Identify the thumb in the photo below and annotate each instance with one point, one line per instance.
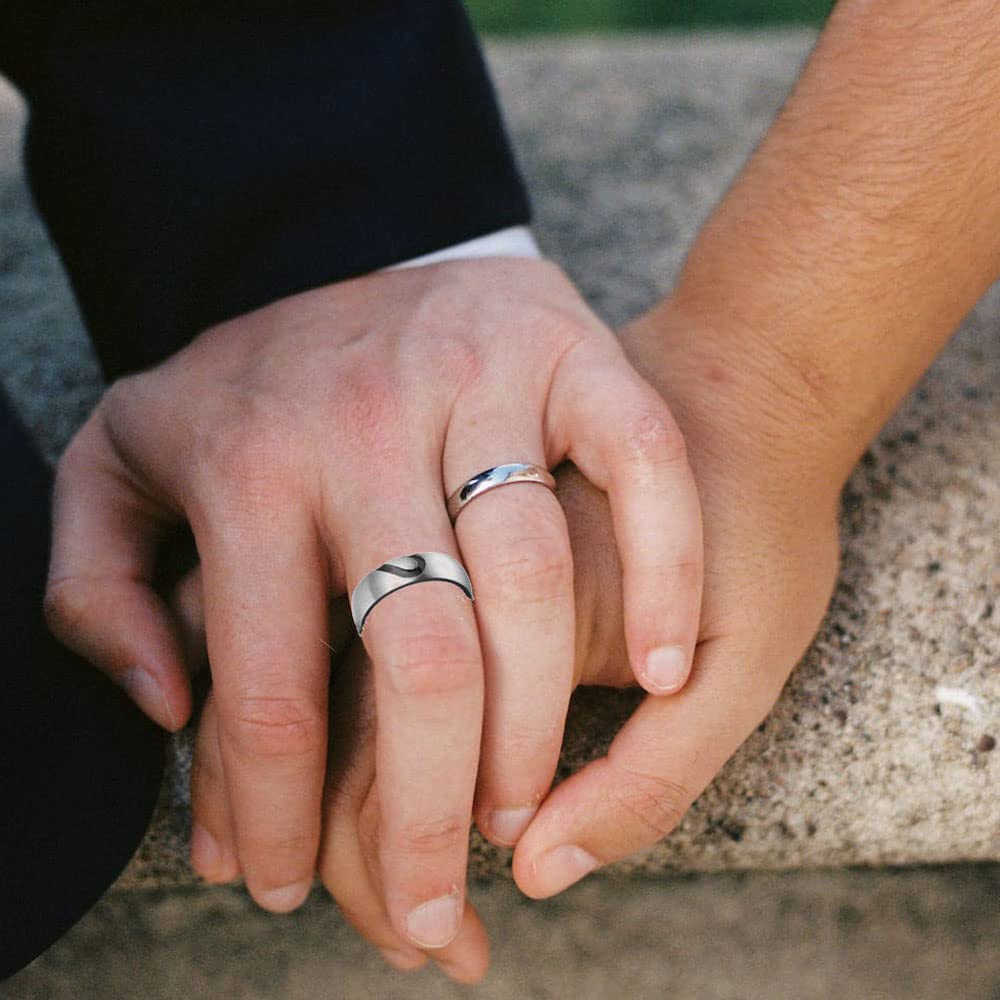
(657, 765)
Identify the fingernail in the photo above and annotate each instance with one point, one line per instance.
(145, 690)
(507, 825)
(205, 853)
(214, 861)
(404, 961)
(286, 898)
(435, 924)
(666, 668)
(561, 867)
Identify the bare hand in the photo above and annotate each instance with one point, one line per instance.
(313, 440)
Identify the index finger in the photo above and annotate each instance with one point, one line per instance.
(100, 598)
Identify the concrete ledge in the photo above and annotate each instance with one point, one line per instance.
(881, 750)
(910, 934)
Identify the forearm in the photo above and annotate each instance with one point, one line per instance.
(860, 232)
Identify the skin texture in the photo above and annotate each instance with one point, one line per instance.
(673, 745)
(297, 479)
(862, 230)
(841, 260)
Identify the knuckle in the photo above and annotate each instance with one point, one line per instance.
(118, 398)
(652, 437)
(87, 452)
(370, 407)
(279, 727)
(434, 837)
(562, 328)
(433, 662)
(68, 605)
(245, 457)
(461, 357)
(534, 564)
(656, 804)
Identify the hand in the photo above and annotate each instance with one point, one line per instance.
(771, 550)
(771, 547)
(314, 439)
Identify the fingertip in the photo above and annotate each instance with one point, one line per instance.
(437, 922)
(468, 974)
(404, 960)
(148, 693)
(665, 669)
(552, 870)
(179, 699)
(212, 859)
(468, 960)
(504, 827)
(283, 899)
(523, 871)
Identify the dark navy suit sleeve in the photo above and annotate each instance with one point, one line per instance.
(194, 161)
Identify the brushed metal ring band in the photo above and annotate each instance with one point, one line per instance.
(403, 571)
(490, 479)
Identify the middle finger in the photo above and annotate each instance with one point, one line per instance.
(424, 646)
(350, 850)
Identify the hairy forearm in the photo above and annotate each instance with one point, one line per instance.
(864, 227)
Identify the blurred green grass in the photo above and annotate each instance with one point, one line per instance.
(504, 17)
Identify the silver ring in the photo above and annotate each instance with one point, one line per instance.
(402, 572)
(499, 475)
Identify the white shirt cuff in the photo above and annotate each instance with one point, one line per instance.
(516, 241)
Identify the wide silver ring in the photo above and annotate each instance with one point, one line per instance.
(403, 571)
(490, 479)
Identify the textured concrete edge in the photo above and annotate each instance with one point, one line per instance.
(860, 762)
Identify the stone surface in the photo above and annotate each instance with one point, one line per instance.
(882, 748)
(926, 934)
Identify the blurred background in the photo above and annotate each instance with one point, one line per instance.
(514, 17)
